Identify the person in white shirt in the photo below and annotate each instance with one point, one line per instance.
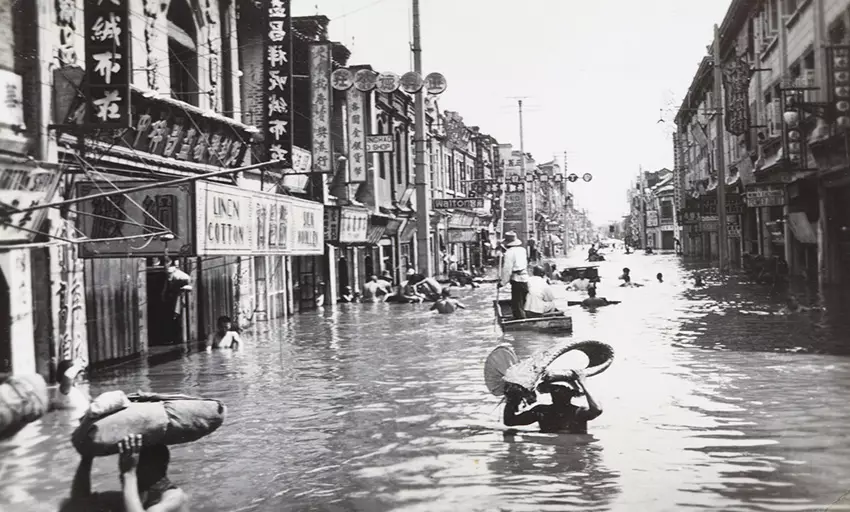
(515, 272)
(540, 300)
(225, 336)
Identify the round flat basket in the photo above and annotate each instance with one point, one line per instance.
(528, 371)
(497, 363)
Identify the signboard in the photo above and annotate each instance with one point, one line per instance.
(734, 204)
(435, 83)
(234, 221)
(133, 215)
(320, 106)
(170, 132)
(23, 186)
(278, 82)
(108, 65)
(689, 217)
(514, 203)
(469, 203)
(651, 219)
(12, 107)
(346, 225)
(457, 134)
(356, 136)
(287, 225)
(462, 236)
(765, 195)
(342, 79)
(224, 221)
(379, 143)
(736, 83)
(301, 162)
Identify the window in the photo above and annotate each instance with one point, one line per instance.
(183, 52)
(837, 33)
(399, 157)
(667, 210)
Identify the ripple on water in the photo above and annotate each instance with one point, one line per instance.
(383, 407)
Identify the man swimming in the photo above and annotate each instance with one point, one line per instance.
(375, 289)
(561, 415)
(447, 304)
(592, 301)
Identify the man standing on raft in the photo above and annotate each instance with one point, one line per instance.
(515, 272)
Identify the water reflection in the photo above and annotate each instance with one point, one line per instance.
(713, 402)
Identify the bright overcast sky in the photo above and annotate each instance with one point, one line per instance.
(595, 73)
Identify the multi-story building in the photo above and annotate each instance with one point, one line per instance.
(785, 125)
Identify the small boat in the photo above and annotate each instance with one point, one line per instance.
(553, 324)
(591, 272)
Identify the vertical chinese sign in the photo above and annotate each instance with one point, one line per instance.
(320, 108)
(278, 80)
(108, 63)
(356, 136)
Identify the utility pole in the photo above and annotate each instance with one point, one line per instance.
(566, 234)
(720, 160)
(526, 195)
(643, 198)
(424, 260)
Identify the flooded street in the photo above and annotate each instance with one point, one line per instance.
(712, 403)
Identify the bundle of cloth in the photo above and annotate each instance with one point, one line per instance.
(158, 418)
(23, 399)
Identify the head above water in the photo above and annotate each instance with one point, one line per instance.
(560, 391)
(626, 271)
(591, 292)
(538, 271)
(224, 323)
(446, 293)
(153, 465)
(373, 278)
(659, 276)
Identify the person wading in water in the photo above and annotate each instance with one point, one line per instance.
(515, 272)
(447, 304)
(561, 415)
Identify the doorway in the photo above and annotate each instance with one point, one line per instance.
(163, 328)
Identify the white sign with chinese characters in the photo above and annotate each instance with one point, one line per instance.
(278, 90)
(356, 136)
(12, 109)
(320, 107)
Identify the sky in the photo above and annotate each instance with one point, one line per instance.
(596, 75)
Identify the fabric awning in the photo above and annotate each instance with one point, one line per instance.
(802, 228)
(377, 227)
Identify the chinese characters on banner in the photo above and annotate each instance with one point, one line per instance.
(108, 66)
(320, 92)
(356, 137)
(278, 97)
(736, 81)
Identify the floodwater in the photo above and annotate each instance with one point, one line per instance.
(713, 403)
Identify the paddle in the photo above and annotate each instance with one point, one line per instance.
(579, 303)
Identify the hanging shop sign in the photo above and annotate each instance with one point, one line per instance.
(287, 225)
(234, 221)
(393, 227)
(457, 134)
(320, 107)
(224, 219)
(132, 220)
(689, 217)
(108, 65)
(408, 231)
(12, 106)
(365, 80)
(736, 83)
(765, 195)
(435, 84)
(170, 129)
(298, 179)
(411, 82)
(651, 219)
(380, 144)
(387, 82)
(468, 203)
(23, 185)
(278, 82)
(342, 79)
(356, 136)
(345, 225)
(462, 236)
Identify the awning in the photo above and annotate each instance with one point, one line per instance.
(393, 226)
(555, 239)
(408, 232)
(802, 228)
(377, 227)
